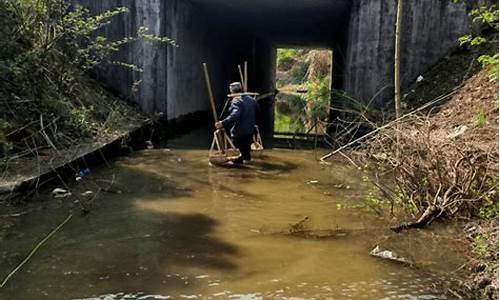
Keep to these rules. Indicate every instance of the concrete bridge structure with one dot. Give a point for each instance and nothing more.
(224, 33)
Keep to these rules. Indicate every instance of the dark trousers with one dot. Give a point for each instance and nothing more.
(243, 143)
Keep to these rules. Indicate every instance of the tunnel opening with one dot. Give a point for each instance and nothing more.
(303, 92)
(254, 31)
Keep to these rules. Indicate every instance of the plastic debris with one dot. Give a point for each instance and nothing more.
(149, 145)
(390, 255)
(420, 78)
(60, 193)
(458, 131)
(342, 186)
(82, 173)
(313, 182)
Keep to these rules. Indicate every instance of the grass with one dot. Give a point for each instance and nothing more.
(282, 122)
(481, 120)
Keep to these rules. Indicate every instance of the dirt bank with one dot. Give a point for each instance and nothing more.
(42, 148)
(445, 165)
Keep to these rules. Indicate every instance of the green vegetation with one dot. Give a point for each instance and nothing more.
(489, 210)
(317, 98)
(307, 71)
(287, 57)
(47, 49)
(282, 123)
(481, 119)
(483, 247)
(487, 16)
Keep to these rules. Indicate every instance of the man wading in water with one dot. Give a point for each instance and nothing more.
(242, 118)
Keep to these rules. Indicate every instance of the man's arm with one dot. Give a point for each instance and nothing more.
(236, 110)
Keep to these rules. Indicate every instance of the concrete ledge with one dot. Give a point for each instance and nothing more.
(93, 154)
(76, 158)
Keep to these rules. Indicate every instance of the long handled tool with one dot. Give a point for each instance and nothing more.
(246, 76)
(242, 77)
(222, 149)
(210, 93)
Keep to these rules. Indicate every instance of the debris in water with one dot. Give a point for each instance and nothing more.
(149, 144)
(390, 255)
(300, 226)
(420, 78)
(87, 194)
(60, 193)
(79, 176)
(312, 182)
(342, 186)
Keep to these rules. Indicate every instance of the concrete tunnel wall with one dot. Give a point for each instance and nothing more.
(172, 81)
(431, 29)
(222, 34)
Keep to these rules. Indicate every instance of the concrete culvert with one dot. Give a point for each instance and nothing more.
(225, 33)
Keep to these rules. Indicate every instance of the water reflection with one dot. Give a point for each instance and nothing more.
(176, 228)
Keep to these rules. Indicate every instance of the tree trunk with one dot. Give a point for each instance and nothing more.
(397, 64)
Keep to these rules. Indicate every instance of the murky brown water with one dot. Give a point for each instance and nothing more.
(175, 228)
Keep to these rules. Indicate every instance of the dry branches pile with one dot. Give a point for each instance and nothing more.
(446, 163)
(436, 174)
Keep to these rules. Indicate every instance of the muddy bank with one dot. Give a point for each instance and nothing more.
(445, 167)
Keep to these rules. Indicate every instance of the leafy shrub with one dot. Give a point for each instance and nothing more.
(318, 98)
(46, 48)
(488, 17)
(286, 58)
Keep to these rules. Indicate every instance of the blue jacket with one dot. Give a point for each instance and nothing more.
(242, 116)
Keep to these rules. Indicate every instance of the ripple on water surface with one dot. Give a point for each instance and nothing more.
(175, 228)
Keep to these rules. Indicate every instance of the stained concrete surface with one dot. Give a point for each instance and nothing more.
(226, 33)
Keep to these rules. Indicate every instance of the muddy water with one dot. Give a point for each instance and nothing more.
(172, 227)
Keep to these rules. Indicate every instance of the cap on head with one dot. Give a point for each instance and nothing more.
(235, 87)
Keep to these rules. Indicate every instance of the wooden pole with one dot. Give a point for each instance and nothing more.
(219, 134)
(246, 76)
(242, 78)
(210, 93)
